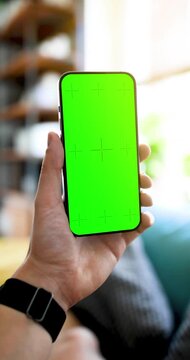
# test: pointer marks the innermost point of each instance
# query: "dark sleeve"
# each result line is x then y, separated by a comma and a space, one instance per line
180, 345
130, 312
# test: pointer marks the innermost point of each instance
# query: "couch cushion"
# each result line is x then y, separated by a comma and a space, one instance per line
167, 244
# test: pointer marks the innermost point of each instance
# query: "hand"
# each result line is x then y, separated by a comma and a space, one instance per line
71, 268
78, 343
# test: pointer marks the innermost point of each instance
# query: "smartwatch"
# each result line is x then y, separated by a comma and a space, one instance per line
37, 303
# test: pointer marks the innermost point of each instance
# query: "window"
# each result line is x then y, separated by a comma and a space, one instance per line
150, 39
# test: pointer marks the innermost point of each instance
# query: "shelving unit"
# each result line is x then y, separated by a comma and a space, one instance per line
14, 156
22, 111
27, 62
48, 20
34, 22
41, 21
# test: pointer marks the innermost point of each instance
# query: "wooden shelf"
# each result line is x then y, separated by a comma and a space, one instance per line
21, 112
28, 62
44, 19
7, 191
10, 155
34, 22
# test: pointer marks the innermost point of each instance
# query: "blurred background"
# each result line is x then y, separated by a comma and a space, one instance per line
39, 40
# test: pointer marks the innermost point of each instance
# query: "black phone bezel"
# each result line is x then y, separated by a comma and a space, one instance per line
61, 119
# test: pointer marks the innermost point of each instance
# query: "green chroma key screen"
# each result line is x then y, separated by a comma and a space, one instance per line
99, 124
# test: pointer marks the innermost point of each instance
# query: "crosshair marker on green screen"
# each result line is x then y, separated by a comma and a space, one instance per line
99, 125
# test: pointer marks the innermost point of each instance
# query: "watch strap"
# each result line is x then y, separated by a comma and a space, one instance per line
37, 303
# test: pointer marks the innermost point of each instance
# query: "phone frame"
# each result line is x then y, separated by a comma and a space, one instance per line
61, 119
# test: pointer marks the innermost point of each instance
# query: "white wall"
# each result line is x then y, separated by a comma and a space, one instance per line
117, 36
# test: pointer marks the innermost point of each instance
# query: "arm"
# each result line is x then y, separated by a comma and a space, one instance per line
70, 268
19, 337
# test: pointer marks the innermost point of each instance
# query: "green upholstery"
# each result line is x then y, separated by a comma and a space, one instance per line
167, 244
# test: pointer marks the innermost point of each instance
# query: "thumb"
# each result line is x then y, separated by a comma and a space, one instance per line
49, 185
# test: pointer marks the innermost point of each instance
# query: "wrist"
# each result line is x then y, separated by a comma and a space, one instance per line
36, 303
37, 276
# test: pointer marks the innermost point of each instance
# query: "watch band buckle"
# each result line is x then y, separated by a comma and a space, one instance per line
28, 311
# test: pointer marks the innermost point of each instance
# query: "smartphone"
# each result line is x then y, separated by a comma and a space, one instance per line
98, 116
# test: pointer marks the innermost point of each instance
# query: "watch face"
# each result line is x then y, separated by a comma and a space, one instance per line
39, 305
